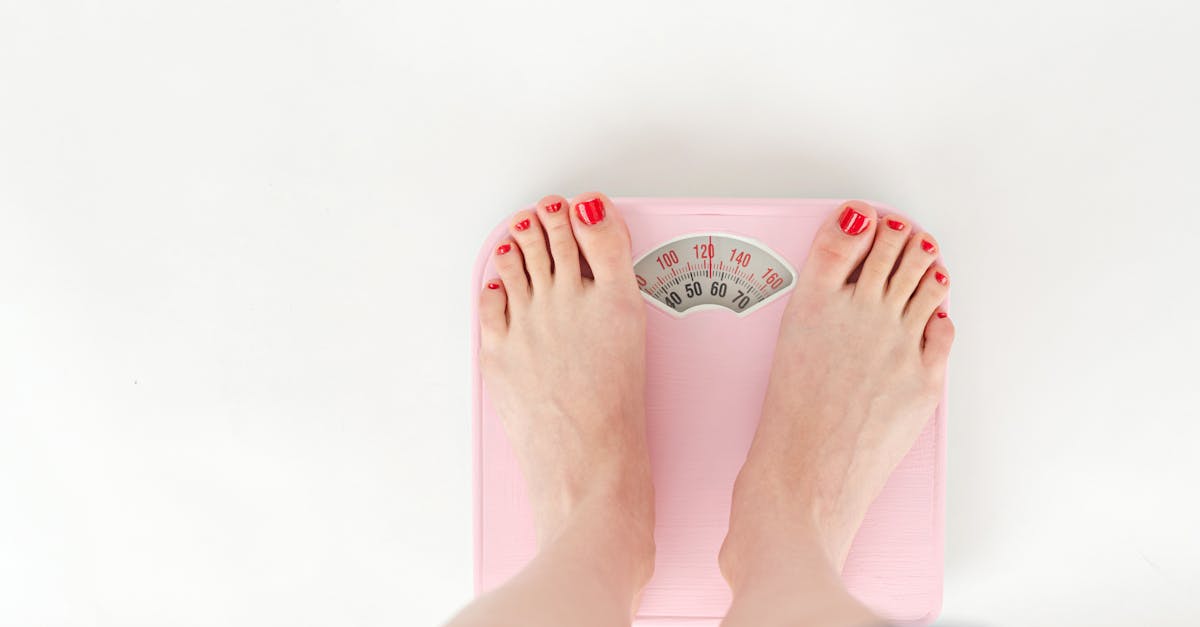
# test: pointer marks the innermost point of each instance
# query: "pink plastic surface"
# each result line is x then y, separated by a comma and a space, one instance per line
702, 404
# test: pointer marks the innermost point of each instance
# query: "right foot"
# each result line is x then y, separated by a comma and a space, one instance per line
858, 371
562, 352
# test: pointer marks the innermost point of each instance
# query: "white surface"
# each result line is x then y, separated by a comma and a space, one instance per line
235, 238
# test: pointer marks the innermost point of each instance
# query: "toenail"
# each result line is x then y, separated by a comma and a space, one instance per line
853, 222
590, 211
895, 225
553, 208
942, 314
927, 246
493, 286
522, 225
503, 248
941, 278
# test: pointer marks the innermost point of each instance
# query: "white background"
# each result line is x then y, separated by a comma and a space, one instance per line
236, 240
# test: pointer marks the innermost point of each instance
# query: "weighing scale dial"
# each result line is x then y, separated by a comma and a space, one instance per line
712, 271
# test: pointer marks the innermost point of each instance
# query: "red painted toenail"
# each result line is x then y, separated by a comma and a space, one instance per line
503, 248
590, 211
927, 246
941, 278
554, 207
895, 225
942, 314
853, 222
493, 286
522, 225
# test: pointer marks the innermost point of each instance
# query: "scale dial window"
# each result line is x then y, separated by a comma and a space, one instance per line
712, 271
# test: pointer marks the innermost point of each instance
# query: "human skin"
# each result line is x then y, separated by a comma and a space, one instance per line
859, 367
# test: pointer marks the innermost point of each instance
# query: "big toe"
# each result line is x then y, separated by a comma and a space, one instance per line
840, 245
603, 238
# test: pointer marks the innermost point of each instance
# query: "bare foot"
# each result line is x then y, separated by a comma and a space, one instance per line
563, 360
858, 372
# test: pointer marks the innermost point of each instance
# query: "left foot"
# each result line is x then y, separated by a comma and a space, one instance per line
562, 353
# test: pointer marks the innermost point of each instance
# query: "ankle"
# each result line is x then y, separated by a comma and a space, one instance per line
612, 527
787, 569
793, 502
766, 545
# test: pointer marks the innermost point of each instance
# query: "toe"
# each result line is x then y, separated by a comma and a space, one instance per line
931, 292
920, 253
939, 335
890, 238
555, 215
527, 231
492, 321
840, 245
511, 267
603, 238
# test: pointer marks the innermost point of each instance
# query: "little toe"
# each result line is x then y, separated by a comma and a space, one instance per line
931, 292
919, 254
603, 238
939, 336
555, 215
527, 231
840, 245
492, 301
890, 239
511, 267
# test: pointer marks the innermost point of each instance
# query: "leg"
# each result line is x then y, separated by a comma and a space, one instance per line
563, 357
858, 372
589, 575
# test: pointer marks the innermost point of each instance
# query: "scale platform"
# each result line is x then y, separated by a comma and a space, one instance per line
719, 270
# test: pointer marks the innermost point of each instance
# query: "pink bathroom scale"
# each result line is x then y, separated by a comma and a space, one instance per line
711, 332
